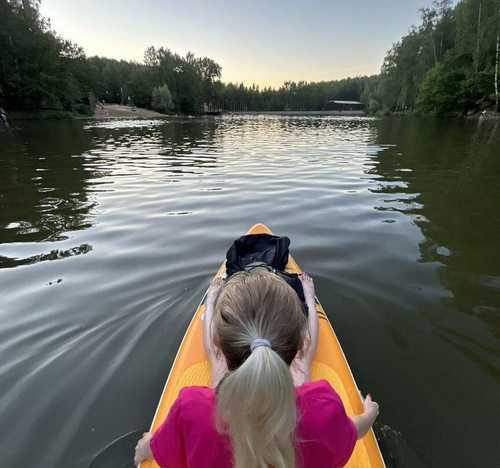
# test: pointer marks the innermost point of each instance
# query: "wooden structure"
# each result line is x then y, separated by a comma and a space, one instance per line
345, 107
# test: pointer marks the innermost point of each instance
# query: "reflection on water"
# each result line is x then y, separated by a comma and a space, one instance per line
53, 190
454, 191
124, 124
43, 183
109, 232
52, 255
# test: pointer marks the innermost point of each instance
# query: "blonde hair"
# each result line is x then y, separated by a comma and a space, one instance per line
256, 400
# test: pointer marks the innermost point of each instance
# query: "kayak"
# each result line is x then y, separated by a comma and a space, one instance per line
191, 367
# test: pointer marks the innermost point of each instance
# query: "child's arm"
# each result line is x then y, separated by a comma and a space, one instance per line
208, 342
207, 332
364, 422
218, 366
312, 317
301, 365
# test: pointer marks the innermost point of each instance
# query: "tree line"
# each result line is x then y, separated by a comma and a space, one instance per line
39, 70
448, 63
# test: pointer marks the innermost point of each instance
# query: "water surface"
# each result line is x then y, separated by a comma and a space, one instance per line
110, 232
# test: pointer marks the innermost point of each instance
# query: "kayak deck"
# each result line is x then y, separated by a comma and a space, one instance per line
191, 367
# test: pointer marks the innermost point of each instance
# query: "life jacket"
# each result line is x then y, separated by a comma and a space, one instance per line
263, 251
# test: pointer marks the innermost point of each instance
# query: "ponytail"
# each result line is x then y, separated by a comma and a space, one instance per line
256, 404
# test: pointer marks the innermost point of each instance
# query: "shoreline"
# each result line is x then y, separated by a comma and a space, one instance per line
107, 111
304, 112
485, 115
118, 111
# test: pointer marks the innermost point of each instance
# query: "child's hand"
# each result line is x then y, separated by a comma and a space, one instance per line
364, 422
307, 286
370, 406
142, 449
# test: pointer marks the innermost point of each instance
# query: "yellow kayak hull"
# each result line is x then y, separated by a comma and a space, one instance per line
191, 367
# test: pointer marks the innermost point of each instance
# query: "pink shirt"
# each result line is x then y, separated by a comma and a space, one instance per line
325, 434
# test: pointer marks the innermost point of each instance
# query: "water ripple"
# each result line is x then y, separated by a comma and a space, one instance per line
110, 233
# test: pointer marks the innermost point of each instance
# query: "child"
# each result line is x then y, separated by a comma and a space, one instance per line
263, 410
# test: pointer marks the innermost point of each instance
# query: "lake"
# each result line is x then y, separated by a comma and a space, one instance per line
111, 230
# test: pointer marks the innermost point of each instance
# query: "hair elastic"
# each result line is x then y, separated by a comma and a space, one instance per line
259, 342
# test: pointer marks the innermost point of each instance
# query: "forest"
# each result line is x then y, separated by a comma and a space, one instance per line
448, 64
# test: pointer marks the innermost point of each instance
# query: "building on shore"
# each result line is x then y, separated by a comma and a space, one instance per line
211, 109
345, 107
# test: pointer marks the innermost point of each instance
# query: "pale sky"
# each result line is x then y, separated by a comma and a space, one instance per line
255, 41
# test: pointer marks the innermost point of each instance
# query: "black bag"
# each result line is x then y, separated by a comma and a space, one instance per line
262, 250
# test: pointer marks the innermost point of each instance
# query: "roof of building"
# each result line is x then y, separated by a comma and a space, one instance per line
346, 102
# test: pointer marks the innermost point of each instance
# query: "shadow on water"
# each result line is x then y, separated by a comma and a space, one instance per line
445, 179
43, 190
454, 200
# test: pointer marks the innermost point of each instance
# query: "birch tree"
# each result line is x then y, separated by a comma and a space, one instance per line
478, 36
496, 63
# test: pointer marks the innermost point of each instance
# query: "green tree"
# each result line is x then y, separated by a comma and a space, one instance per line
440, 89
455, 43
38, 69
161, 99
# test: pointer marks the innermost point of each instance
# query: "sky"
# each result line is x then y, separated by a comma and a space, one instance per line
255, 41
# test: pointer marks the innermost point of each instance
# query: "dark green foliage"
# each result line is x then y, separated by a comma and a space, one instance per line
441, 90
301, 96
192, 81
445, 65
38, 70
161, 99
